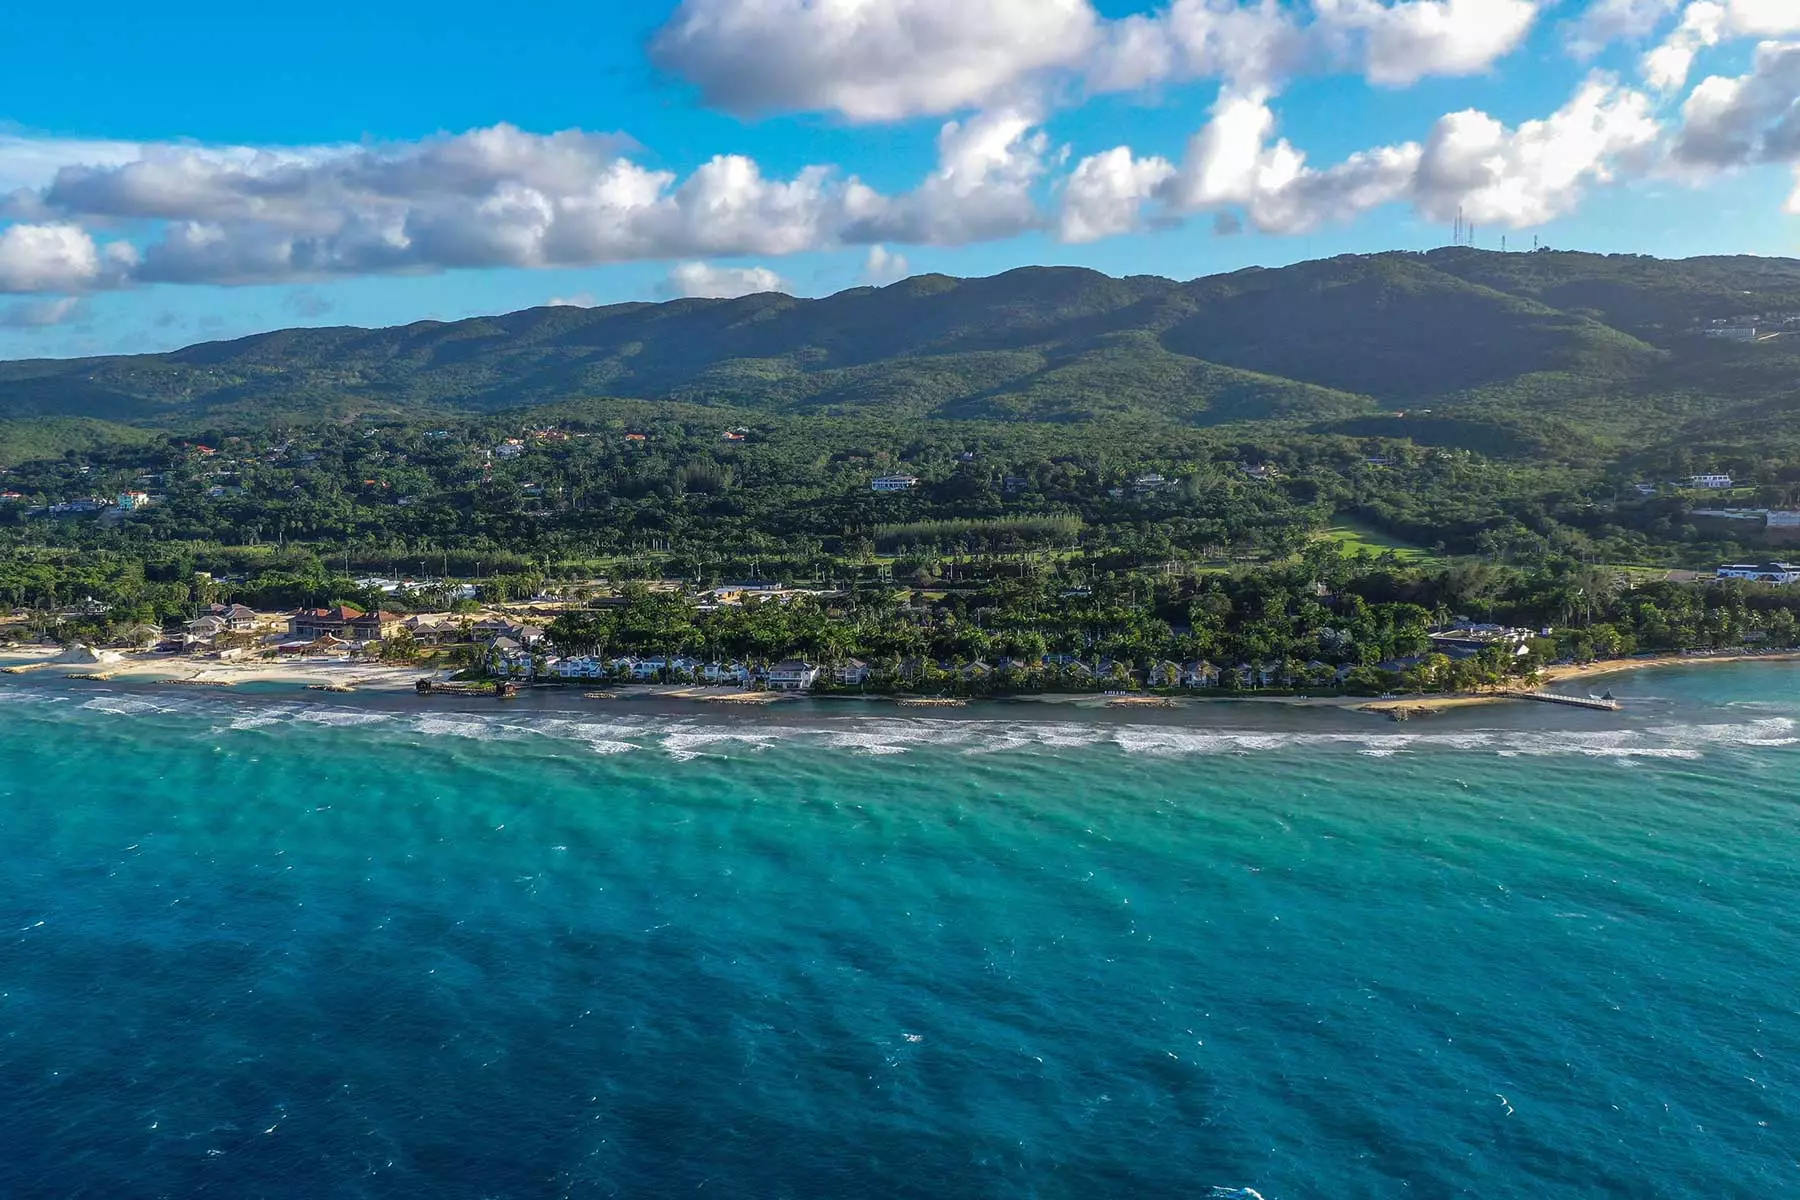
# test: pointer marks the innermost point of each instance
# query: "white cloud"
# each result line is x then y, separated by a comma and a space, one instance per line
870, 60
1250, 43
1707, 23
578, 300
1107, 192
885, 60
1542, 169
58, 258
701, 280
1607, 21
41, 314
1497, 176
1729, 122
883, 266
980, 191
495, 198
1406, 41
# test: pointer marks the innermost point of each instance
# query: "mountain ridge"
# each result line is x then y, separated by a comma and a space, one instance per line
1500, 338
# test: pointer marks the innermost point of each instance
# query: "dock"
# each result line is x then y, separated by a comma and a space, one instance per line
1607, 704
499, 689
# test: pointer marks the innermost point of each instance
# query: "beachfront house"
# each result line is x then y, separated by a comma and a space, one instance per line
310, 624
1199, 675
431, 631
237, 618
793, 675
725, 673
376, 626
584, 666
852, 673
203, 631
1778, 573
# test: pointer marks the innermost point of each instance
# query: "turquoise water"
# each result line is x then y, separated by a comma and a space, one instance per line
251, 946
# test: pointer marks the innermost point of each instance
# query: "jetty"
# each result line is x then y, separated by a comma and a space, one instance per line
1601, 704
499, 689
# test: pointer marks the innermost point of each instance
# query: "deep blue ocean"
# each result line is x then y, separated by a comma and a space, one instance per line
258, 946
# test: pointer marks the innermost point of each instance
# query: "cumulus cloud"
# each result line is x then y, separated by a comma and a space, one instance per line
41, 314
884, 60
59, 257
699, 280
1398, 44
1540, 170
870, 60
1707, 23
1106, 194
578, 300
1470, 161
883, 266
1607, 21
980, 191
1730, 122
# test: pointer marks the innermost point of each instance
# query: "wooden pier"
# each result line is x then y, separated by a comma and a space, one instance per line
1607, 704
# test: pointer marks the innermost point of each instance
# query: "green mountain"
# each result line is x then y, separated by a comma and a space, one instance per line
1524, 353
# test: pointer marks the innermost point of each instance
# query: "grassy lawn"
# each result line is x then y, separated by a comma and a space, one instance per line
1353, 535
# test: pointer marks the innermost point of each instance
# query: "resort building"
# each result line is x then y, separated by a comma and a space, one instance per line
853, 673
1777, 573
1713, 482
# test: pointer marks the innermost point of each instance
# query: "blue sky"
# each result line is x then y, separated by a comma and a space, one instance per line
170, 179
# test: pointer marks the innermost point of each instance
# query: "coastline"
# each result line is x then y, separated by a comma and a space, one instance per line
349, 677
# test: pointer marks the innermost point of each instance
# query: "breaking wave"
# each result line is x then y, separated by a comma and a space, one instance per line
683, 738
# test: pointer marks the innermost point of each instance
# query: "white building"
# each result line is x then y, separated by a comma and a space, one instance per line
1710, 481
725, 673
582, 666
895, 483
511, 448
792, 675
1777, 573
852, 673
1733, 333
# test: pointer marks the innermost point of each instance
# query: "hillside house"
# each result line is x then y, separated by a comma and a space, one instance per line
1713, 482
889, 484
1778, 573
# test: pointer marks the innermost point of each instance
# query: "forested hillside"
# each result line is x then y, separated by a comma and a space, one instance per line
1541, 354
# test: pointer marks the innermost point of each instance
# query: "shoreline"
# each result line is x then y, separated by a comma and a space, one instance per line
335, 676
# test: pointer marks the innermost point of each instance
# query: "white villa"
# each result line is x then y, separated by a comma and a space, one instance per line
792, 675
1778, 573
1715, 482
895, 483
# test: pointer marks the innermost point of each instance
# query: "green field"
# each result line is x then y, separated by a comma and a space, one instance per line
1353, 535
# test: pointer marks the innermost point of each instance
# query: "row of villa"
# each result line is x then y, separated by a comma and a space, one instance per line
798, 675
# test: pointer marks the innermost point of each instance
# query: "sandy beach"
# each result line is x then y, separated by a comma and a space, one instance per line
338, 676
188, 672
